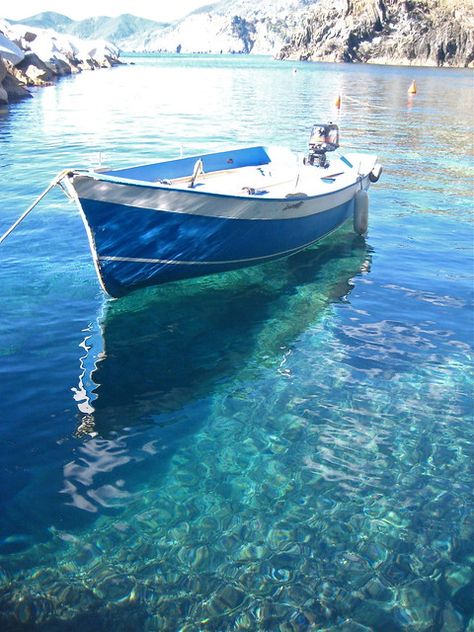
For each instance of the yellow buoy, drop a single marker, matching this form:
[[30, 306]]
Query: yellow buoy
[[337, 102], [412, 88]]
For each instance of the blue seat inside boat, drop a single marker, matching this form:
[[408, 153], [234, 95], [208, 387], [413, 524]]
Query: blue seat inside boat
[[183, 167]]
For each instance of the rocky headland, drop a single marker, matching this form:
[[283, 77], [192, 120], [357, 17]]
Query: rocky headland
[[31, 56], [403, 32], [240, 26]]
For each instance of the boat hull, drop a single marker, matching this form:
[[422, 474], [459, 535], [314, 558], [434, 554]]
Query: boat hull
[[138, 238]]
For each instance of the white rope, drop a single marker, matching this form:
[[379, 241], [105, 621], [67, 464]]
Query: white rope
[[54, 182]]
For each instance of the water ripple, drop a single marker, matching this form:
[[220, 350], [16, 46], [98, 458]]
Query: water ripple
[[283, 448]]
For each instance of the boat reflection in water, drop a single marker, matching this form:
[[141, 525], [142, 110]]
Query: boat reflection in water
[[156, 354]]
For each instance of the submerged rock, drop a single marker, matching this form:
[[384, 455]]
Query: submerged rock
[[225, 600], [451, 620], [418, 599], [371, 614], [458, 577], [463, 600]]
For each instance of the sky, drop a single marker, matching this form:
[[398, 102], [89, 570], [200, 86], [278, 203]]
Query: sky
[[159, 10]]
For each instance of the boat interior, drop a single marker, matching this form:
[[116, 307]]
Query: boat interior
[[254, 171]]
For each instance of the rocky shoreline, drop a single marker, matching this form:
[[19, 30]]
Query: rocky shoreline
[[401, 32], [395, 32], [37, 57]]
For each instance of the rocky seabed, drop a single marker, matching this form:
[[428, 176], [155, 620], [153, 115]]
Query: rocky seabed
[[333, 524]]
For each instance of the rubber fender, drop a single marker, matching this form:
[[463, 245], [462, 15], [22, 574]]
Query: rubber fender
[[376, 172], [361, 212]]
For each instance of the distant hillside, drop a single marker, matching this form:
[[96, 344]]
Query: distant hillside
[[47, 20], [234, 26], [128, 32], [418, 32]]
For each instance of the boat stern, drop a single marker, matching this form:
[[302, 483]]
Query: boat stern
[[366, 165]]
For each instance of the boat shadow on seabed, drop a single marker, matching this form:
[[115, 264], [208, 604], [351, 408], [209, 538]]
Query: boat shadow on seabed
[[155, 352]]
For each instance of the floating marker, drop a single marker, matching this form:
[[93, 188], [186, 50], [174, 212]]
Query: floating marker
[[337, 102], [412, 88]]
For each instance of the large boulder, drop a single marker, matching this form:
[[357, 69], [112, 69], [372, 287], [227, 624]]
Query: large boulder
[[9, 50], [36, 71], [11, 88], [3, 74], [15, 89]]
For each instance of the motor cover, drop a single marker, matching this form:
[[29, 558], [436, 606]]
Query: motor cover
[[324, 137]]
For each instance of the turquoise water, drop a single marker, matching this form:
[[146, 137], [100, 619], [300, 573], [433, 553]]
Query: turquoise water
[[284, 448]]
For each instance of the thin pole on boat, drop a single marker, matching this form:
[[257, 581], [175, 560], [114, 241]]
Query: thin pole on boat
[[53, 183], [300, 163]]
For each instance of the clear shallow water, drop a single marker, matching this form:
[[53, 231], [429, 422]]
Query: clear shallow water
[[283, 448]]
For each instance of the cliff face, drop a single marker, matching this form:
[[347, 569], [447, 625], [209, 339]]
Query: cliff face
[[407, 32], [238, 26]]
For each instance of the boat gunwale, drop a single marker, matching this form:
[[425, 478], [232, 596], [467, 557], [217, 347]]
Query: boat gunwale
[[239, 196]]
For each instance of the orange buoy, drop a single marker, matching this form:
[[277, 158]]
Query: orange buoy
[[337, 102], [412, 88]]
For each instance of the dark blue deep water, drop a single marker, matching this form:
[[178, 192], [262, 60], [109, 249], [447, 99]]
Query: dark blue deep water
[[287, 448]]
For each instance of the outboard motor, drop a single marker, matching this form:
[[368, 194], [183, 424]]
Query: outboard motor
[[324, 137]]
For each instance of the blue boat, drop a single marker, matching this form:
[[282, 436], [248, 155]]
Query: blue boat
[[214, 212]]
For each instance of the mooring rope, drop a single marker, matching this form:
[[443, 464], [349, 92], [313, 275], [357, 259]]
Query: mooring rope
[[61, 175]]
